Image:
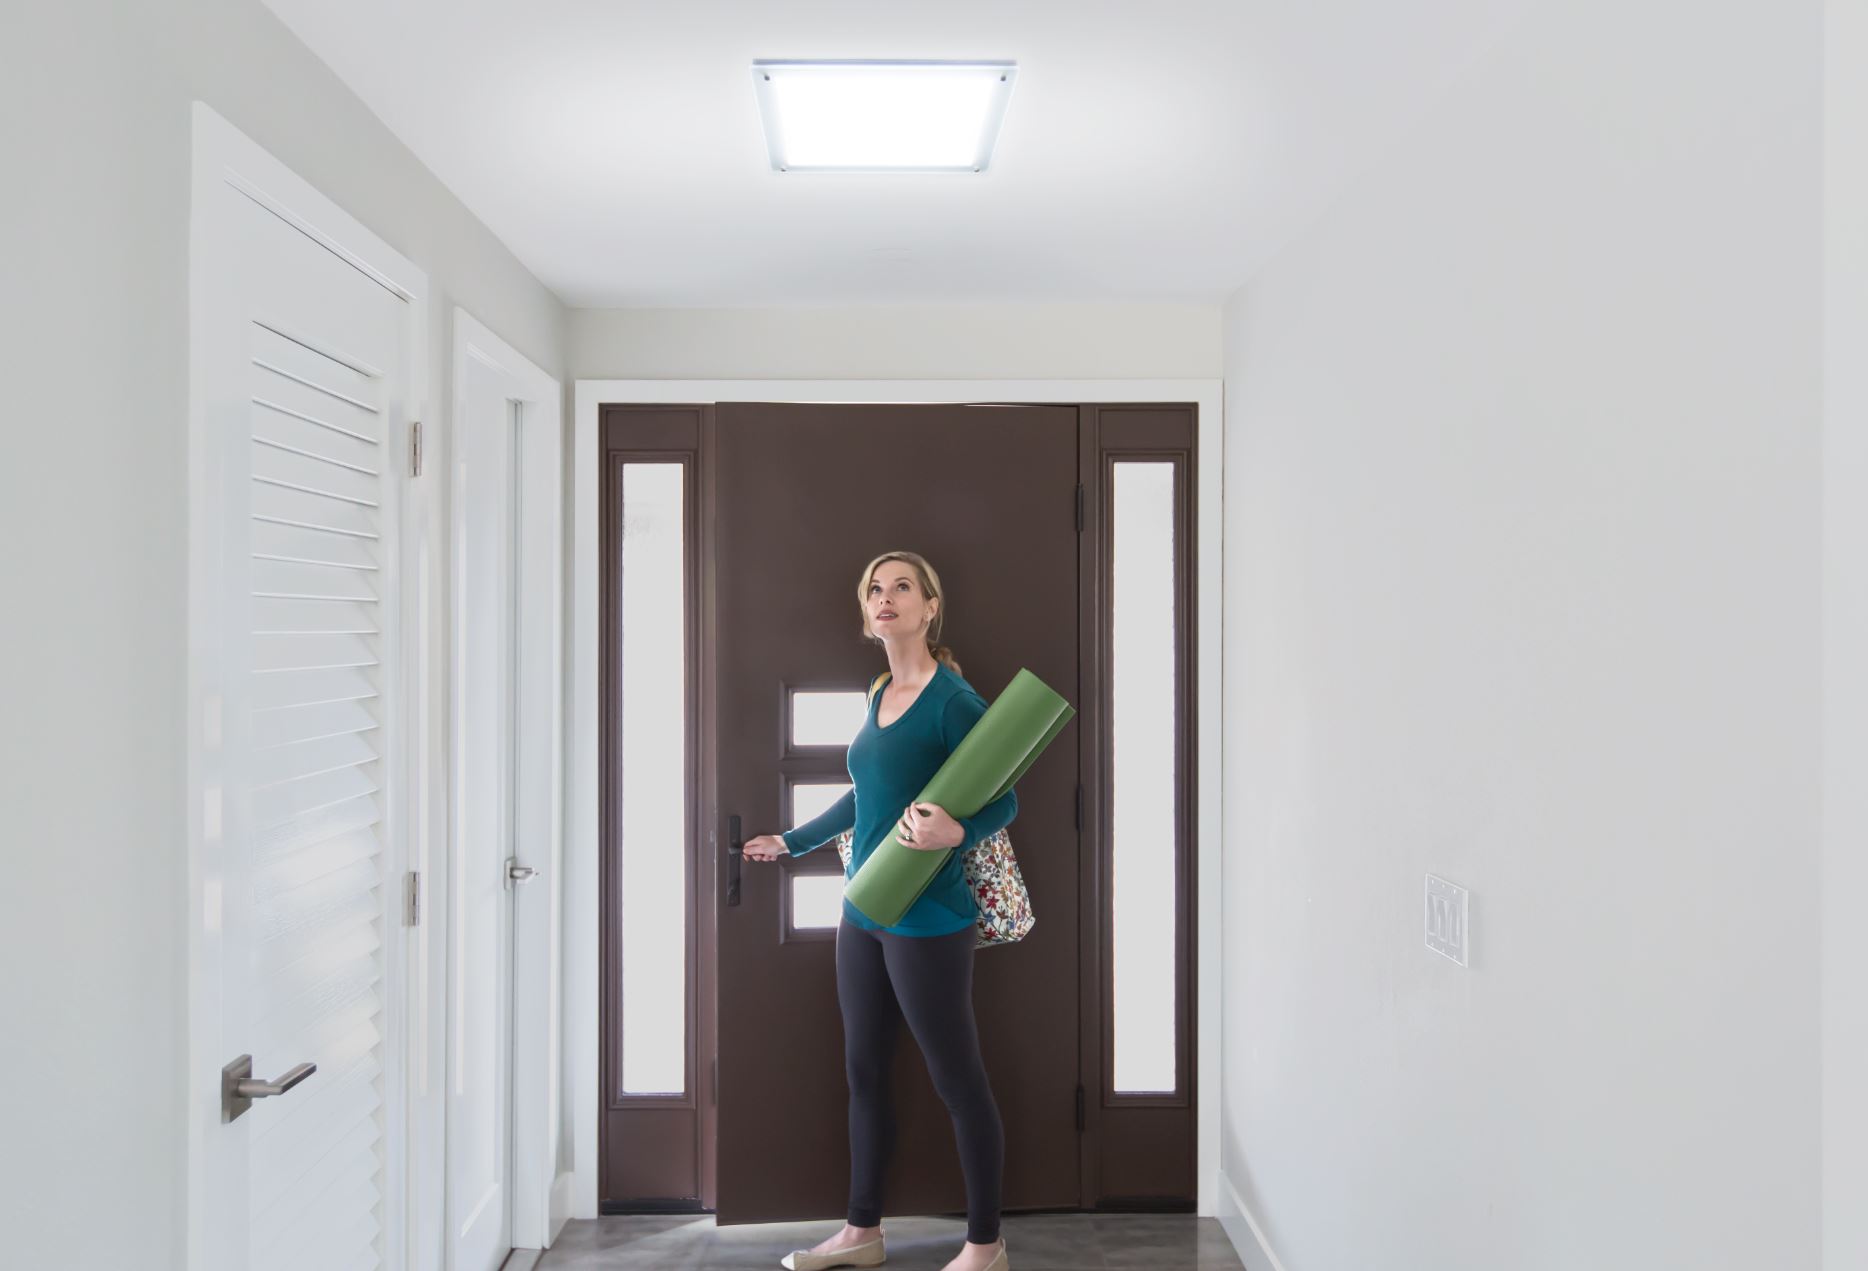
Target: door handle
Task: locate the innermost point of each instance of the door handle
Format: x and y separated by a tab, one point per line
734	851
239	1087
517	873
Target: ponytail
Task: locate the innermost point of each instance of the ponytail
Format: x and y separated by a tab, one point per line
943	654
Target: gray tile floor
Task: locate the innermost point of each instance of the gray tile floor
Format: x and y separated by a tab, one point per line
1037	1242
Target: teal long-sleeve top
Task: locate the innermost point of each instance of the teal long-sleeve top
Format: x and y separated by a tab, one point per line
889	765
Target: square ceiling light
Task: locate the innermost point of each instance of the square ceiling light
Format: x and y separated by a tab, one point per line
873	116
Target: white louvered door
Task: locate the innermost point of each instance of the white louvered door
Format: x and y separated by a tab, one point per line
308	399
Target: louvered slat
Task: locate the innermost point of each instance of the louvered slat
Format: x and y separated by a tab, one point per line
273	616
294	543
289	410
305	1117
276	805
348	1154
310	860
298	580
319	901
289	1163
320	970
301	761
349	1247
295	725
312	651
340	919
315	827
347	1194
306	688
287	414
341	985
283	1141
352	1155
342	1163
333	1171
284	468
282	505
331	1032
283	355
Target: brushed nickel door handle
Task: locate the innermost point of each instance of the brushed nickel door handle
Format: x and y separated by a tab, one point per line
239	1087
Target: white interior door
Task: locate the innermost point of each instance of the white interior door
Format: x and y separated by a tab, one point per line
503	1155
485	857
302	385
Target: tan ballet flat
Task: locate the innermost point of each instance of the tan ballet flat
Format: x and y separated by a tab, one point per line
871	1253
1002	1262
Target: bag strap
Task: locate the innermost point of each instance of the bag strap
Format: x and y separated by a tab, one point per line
874	684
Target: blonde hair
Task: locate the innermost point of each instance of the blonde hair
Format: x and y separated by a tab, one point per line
930	590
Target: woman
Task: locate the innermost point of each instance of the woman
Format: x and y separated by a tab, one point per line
921	967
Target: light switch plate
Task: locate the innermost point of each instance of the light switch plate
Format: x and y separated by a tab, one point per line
1446	918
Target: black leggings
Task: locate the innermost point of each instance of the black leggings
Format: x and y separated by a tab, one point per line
882	977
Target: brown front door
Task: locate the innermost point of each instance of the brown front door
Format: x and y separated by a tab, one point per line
805	496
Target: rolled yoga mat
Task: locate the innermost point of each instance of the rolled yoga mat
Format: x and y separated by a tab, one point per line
989	760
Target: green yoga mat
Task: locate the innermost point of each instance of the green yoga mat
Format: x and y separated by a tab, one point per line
989	760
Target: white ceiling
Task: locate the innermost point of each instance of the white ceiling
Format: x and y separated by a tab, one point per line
1150	152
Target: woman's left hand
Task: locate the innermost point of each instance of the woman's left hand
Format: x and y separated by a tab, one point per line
927	827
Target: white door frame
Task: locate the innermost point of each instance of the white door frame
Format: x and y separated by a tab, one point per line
537	962
223	156
582	981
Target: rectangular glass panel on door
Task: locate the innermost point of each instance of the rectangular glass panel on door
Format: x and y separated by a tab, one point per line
652	808
1142	777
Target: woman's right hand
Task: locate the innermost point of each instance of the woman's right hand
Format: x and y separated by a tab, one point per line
767	847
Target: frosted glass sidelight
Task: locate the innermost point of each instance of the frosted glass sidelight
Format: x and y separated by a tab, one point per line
653	780
1142	730
816	901
826	719
808	798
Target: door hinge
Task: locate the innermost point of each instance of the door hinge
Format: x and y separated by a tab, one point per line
412	899
1079	1109
1079	507
1079	805
415	448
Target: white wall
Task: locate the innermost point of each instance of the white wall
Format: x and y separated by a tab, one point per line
1054	341
96	98
1845	662
1523	522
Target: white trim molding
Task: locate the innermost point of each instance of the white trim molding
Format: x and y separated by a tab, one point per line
1243	1229
582	980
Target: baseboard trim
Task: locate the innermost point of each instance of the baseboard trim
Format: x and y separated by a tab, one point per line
1243	1230
560	1206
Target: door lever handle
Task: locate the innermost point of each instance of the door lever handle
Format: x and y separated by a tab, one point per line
734	851
239	1087
517	873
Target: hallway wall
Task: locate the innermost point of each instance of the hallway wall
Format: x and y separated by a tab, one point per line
1524	482
96	150
1845	638
1038	341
